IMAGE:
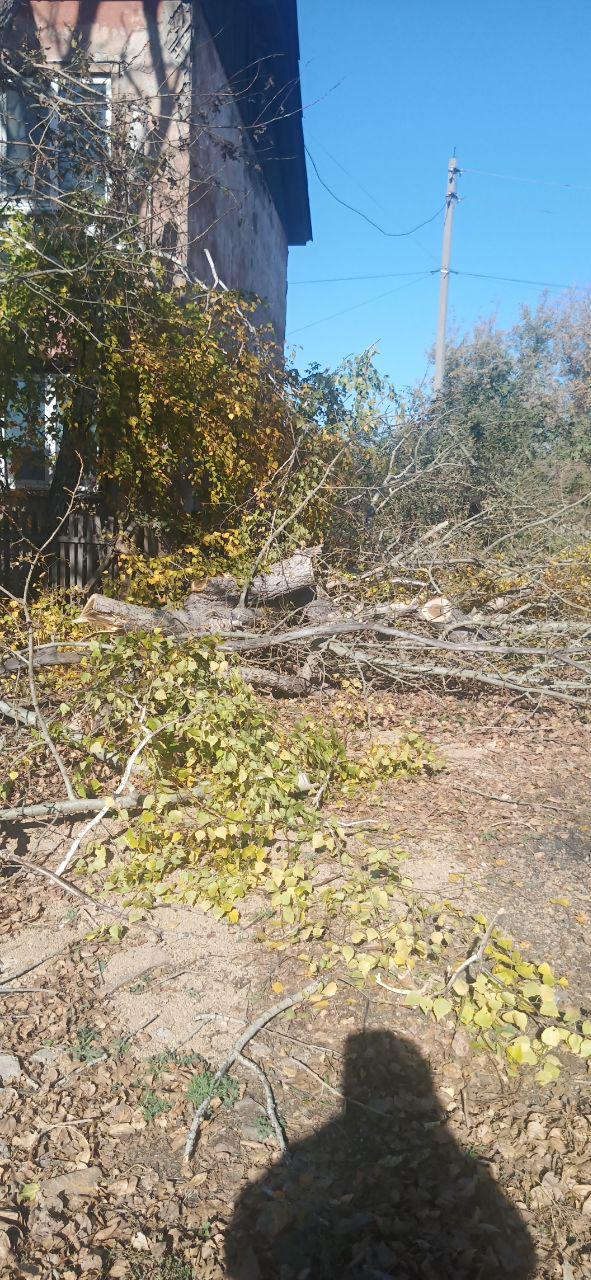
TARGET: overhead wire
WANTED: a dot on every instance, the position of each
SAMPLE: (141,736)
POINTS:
(454,271)
(394,235)
(542,284)
(347,172)
(366,303)
(538,182)
(381,275)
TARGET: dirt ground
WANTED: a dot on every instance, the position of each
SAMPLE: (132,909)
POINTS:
(411,1156)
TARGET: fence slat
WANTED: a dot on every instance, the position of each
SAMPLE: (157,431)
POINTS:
(74,557)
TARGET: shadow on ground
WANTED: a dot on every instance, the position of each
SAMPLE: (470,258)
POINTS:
(383,1191)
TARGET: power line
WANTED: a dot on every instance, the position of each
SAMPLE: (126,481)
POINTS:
(347,172)
(395,235)
(366,303)
(385,275)
(538,182)
(542,284)
(475,275)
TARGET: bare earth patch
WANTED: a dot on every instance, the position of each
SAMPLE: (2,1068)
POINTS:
(438,1165)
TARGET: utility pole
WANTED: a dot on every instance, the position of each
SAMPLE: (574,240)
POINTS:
(451,200)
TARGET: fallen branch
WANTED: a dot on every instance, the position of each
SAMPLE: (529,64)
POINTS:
(275,681)
(287,578)
(258,677)
(62,884)
(19,714)
(269,1100)
(71,808)
(235,1053)
(48,655)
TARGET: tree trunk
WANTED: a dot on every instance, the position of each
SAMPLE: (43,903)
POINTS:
(287,578)
(213,611)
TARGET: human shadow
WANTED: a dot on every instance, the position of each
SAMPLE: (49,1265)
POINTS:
(382,1191)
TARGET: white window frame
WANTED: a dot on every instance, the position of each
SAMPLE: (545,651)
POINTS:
(93,77)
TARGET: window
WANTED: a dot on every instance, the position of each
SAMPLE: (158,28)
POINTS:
(18,137)
(83,135)
(47,151)
(27,436)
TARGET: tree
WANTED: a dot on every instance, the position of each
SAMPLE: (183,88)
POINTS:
(109,350)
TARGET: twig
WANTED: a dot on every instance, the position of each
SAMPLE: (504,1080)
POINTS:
(337,1093)
(63,1124)
(41,721)
(246,1036)
(102,813)
(528,804)
(269,1101)
(401,991)
(57,879)
(477,956)
(94,1062)
(31,991)
(37,965)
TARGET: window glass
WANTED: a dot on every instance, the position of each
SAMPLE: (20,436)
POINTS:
(26,438)
(83,135)
(18,124)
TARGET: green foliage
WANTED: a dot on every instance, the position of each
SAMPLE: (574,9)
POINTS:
(87,1046)
(228,1090)
(153,1105)
(160,396)
(249,779)
(171,1268)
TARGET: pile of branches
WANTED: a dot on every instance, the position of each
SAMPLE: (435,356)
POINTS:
(292,635)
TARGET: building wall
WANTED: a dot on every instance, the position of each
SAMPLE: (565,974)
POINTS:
(162,52)
(231,211)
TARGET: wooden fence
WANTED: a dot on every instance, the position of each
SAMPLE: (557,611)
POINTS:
(74,556)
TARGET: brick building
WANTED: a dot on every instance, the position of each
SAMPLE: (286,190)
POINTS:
(217,83)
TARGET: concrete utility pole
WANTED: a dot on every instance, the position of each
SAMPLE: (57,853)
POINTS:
(451,200)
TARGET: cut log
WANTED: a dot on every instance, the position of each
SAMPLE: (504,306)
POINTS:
(289,577)
(213,611)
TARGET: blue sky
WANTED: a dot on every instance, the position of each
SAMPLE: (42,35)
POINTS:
(390,87)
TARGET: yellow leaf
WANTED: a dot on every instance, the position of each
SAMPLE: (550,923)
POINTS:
(441,1007)
(483,1018)
(551,1036)
(330,990)
(520,1050)
(277,987)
